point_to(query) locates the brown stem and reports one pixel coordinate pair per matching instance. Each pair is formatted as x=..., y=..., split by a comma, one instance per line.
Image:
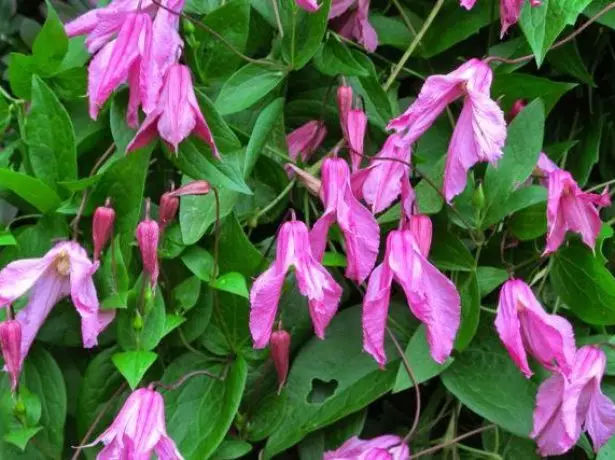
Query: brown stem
x=556, y=45
x=452, y=441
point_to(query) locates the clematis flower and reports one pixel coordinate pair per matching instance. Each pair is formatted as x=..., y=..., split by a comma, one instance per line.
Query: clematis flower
x=308, y=5
x=351, y=20
x=64, y=270
x=306, y=139
x=524, y=327
x=432, y=297
x=177, y=115
x=360, y=229
x=480, y=132
x=386, y=447
x=510, y=11
x=323, y=293
x=113, y=63
x=565, y=406
x=139, y=430
x=10, y=341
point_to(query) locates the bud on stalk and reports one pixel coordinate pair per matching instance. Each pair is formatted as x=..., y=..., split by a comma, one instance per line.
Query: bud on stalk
x=102, y=227
x=148, y=235
x=10, y=340
x=280, y=351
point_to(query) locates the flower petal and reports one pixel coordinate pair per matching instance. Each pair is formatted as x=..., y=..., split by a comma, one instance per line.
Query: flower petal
x=375, y=312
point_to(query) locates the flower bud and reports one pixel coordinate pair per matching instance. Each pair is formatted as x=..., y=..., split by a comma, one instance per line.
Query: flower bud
x=311, y=183
x=344, y=103
x=516, y=108
x=169, y=204
x=478, y=198
x=137, y=321
x=280, y=351
x=148, y=234
x=10, y=340
x=102, y=227
x=421, y=228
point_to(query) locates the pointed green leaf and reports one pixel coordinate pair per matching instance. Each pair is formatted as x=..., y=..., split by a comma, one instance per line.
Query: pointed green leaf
x=134, y=364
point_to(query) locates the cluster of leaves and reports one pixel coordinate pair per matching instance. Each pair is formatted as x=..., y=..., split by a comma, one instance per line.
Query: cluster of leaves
x=198, y=318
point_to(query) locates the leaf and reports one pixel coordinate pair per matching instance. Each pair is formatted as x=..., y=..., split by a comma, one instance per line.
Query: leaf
x=21, y=69
x=523, y=144
x=529, y=223
x=51, y=44
x=151, y=319
x=121, y=132
x=449, y=253
x=568, y=60
x=511, y=87
x=35, y=192
x=246, y=87
x=392, y=30
x=377, y=104
x=509, y=446
x=209, y=404
x=584, y=284
x=486, y=381
x=334, y=58
x=422, y=364
x=520, y=199
x=231, y=449
x=231, y=21
x=133, y=365
x=470, y=309
x=303, y=31
x=186, y=294
x=50, y=137
x=232, y=282
x=237, y=253
x=199, y=261
x=489, y=279
x=583, y=158
x=21, y=437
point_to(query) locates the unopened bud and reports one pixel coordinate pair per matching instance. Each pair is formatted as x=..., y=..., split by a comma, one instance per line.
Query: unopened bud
x=280, y=352
x=421, y=228
x=188, y=26
x=478, y=198
x=344, y=103
x=167, y=211
x=102, y=227
x=306, y=139
x=137, y=321
x=10, y=340
x=310, y=182
x=148, y=234
x=516, y=108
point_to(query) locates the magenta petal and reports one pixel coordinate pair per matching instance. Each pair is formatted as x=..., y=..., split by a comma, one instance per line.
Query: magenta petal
x=82, y=25
x=386, y=447
x=421, y=228
x=308, y=5
x=375, y=312
x=167, y=449
x=134, y=97
x=468, y=4
x=510, y=10
x=339, y=7
x=357, y=122
x=319, y=233
x=19, y=276
x=264, y=298
x=146, y=133
x=600, y=420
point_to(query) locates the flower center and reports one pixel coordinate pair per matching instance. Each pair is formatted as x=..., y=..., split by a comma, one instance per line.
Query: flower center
x=62, y=263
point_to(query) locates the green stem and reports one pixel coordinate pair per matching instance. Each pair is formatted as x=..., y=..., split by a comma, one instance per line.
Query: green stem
x=479, y=452
x=599, y=186
x=276, y=201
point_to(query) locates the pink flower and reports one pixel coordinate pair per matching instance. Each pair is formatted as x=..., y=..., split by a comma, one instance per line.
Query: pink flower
x=431, y=296
x=421, y=227
x=64, y=270
x=177, y=115
x=565, y=406
x=308, y=5
x=545, y=165
x=524, y=327
x=323, y=293
x=353, y=22
x=148, y=236
x=360, y=229
x=139, y=430
x=280, y=353
x=386, y=447
x=353, y=123
x=111, y=65
x=344, y=103
x=102, y=227
x=306, y=139
x=480, y=132
x=10, y=341
x=569, y=208
x=510, y=10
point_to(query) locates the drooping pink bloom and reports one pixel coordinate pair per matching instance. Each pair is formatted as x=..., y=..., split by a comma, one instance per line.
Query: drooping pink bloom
x=64, y=270
x=351, y=20
x=432, y=297
x=139, y=430
x=386, y=447
x=422, y=229
x=569, y=208
x=480, y=132
x=306, y=139
x=177, y=115
x=525, y=328
x=510, y=10
x=169, y=201
x=567, y=405
x=10, y=341
x=148, y=236
x=322, y=291
x=111, y=65
x=280, y=353
x=308, y=5
x=102, y=227
x=360, y=229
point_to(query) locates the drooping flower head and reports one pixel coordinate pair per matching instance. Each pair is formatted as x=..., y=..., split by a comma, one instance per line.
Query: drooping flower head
x=359, y=226
x=525, y=328
x=323, y=292
x=64, y=270
x=386, y=447
x=565, y=406
x=176, y=116
x=10, y=342
x=510, y=11
x=351, y=20
x=306, y=139
x=480, y=131
x=148, y=236
x=139, y=430
x=431, y=296
x=169, y=201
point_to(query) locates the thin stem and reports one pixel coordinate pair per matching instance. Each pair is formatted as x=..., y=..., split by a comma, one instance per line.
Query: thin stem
x=276, y=201
x=599, y=186
x=556, y=45
x=479, y=452
x=100, y=415
x=415, y=383
x=405, y=17
x=9, y=97
x=417, y=39
x=216, y=234
x=189, y=375
x=278, y=20
x=450, y=442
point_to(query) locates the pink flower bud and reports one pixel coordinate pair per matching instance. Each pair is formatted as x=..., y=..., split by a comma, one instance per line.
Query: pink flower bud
x=516, y=108
x=421, y=228
x=148, y=234
x=169, y=204
x=197, y=187
x=311, y=183
x=102, y=227
x=10, y=340
x=344, y=104
x=280, y=351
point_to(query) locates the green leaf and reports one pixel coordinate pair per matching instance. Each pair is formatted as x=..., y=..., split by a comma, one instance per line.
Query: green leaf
x=21, y=437
x=231, y=449
x=246, y=87
x=186, y=294
x=237, y=253
x=50, y=137
x=377, y=104
x=303, y=31
x=523, y=144
x=511, y=87
x=112, y=279
x=209, y=404
x=215, y=59
x=509, y=446
x=422, y=364
x=470, y=309
x=568, y=60
x=133, y=365
x=449, y=253
x=151, y=319
x=486, y=381
x=7, y=239
x=543, y=24
x=51, y=44
x=21, y=69
x=529, y=223
x=587, y=153
x=35, y=192
x=392, y=30
x=584, y=284
x=489, y=278
x=228, y=332
x=518, y=200
x=199, y=261
x=334, y=58
x=232, y=282
x=121, y=132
